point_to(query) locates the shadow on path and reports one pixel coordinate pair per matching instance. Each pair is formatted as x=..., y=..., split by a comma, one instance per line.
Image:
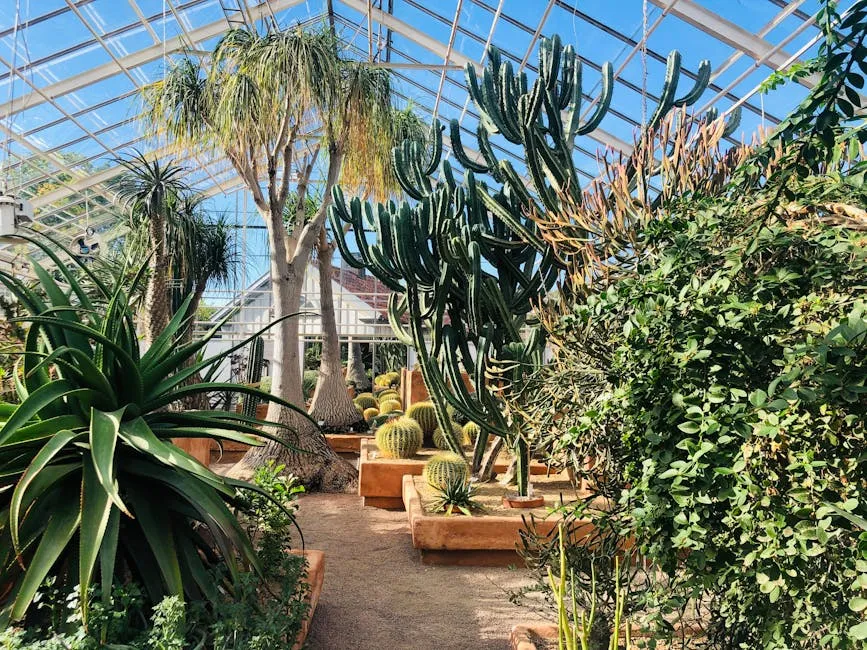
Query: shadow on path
x=379, y=596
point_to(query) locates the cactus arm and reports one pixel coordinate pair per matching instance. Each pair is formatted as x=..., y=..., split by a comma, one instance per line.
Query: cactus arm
x=669, y=88
x=401, y=166
x=604, y=102
x=396, y=310
x=701, y=82
x=506, y=104
x=340, y=237
x=522, y=467
x=503, y=214
x=436, y=142
x=474, y=287
x=573, y=114
x=733, y=123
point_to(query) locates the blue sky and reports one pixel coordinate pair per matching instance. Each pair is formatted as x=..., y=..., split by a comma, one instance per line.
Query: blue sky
x=97, y=122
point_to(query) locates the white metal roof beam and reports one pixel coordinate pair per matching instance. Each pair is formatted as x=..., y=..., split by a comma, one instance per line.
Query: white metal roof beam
x=441, y=50
x=134, y=60
x=731, y=34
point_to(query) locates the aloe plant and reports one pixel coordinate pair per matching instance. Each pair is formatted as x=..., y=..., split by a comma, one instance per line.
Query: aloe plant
x=91, y=486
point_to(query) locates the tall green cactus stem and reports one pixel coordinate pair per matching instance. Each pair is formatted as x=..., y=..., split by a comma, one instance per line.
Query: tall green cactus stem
x=254, y=372
x=466, y=263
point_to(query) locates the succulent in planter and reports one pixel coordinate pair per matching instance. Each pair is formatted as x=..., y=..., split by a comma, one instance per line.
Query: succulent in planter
x=366, y=401
x=425, y=414
x=389, y=405
x=92, y=487
x=400, y=438
x=456, y=493
x=444, y=468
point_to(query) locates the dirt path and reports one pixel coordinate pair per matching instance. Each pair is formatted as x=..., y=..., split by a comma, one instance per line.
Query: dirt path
x=379, y=596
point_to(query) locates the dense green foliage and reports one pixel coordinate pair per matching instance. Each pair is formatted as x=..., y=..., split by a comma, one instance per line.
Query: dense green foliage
x=263, y=611
x=718, y=382
x=93, y=488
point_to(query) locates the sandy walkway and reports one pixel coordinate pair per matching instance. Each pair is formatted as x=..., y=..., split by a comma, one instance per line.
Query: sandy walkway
x=379, y=596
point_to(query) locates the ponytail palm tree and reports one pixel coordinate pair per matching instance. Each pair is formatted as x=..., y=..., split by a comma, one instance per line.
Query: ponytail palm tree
x=277, y=104
x=151, y=190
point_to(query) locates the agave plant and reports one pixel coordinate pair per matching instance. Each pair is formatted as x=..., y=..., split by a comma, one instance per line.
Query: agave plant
x=91, y=486
x=456, y=494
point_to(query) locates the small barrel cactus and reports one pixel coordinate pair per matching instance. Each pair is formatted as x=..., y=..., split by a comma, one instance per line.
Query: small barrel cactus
x=389, y=405
x=439, y=440
x=389, y=394
x=370, y=413
x=445, y=468
x=471, y=431
x=425, y=414
x=366, y=401
x=400, y=438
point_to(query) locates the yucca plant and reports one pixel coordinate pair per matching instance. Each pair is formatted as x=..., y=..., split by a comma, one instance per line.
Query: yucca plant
x=91, y=486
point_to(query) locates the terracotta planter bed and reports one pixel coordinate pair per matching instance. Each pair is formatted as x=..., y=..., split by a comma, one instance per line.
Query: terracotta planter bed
x=315, y=578
x=485, y=539
x=347, y=443
x=380, y=479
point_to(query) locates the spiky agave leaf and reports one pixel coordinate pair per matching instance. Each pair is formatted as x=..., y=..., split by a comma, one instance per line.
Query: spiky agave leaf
x=91, y=485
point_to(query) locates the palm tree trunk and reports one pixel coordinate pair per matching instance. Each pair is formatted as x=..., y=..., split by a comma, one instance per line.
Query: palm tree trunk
x=157, y=308
x=331, y=407
x=309, y=458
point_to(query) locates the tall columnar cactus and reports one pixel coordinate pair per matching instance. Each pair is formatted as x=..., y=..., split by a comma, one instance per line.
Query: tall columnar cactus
x=465, y=261
x=255, y=362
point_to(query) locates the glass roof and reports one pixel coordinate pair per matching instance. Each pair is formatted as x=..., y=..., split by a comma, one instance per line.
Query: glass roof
x=70, y=71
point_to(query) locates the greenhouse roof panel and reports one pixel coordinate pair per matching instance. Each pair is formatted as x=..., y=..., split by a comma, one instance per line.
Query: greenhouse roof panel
x=70, y=71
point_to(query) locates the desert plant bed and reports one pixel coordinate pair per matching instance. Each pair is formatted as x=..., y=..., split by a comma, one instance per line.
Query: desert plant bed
x=490, y=536
x=543, y=636
x=379, y=478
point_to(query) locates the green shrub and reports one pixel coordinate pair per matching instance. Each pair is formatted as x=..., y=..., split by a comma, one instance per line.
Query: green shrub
x=309, y=383
x=735, y=382
x=92, y=485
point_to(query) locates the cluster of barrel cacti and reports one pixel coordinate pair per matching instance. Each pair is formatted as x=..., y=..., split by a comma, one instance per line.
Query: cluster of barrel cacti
x=399, y=438
x=465, y=261
x=387, y=380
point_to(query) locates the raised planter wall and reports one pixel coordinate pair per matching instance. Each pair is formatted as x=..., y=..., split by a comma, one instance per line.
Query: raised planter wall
x=380, y=479
x=315, y=578
x=479, y=540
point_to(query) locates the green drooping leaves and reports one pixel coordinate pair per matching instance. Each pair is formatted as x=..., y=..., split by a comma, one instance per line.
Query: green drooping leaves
x=91, y=485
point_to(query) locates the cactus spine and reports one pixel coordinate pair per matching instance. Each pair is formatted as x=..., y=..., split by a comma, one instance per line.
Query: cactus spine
x=400, y=438
x=466, y=262
x=444, y=468
x=254, y=373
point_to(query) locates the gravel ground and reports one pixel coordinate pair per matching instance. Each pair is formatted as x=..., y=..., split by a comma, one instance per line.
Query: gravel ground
x=379, y=596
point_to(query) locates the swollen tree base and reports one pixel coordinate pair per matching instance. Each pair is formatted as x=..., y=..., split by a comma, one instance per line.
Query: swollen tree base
x=310, y=458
